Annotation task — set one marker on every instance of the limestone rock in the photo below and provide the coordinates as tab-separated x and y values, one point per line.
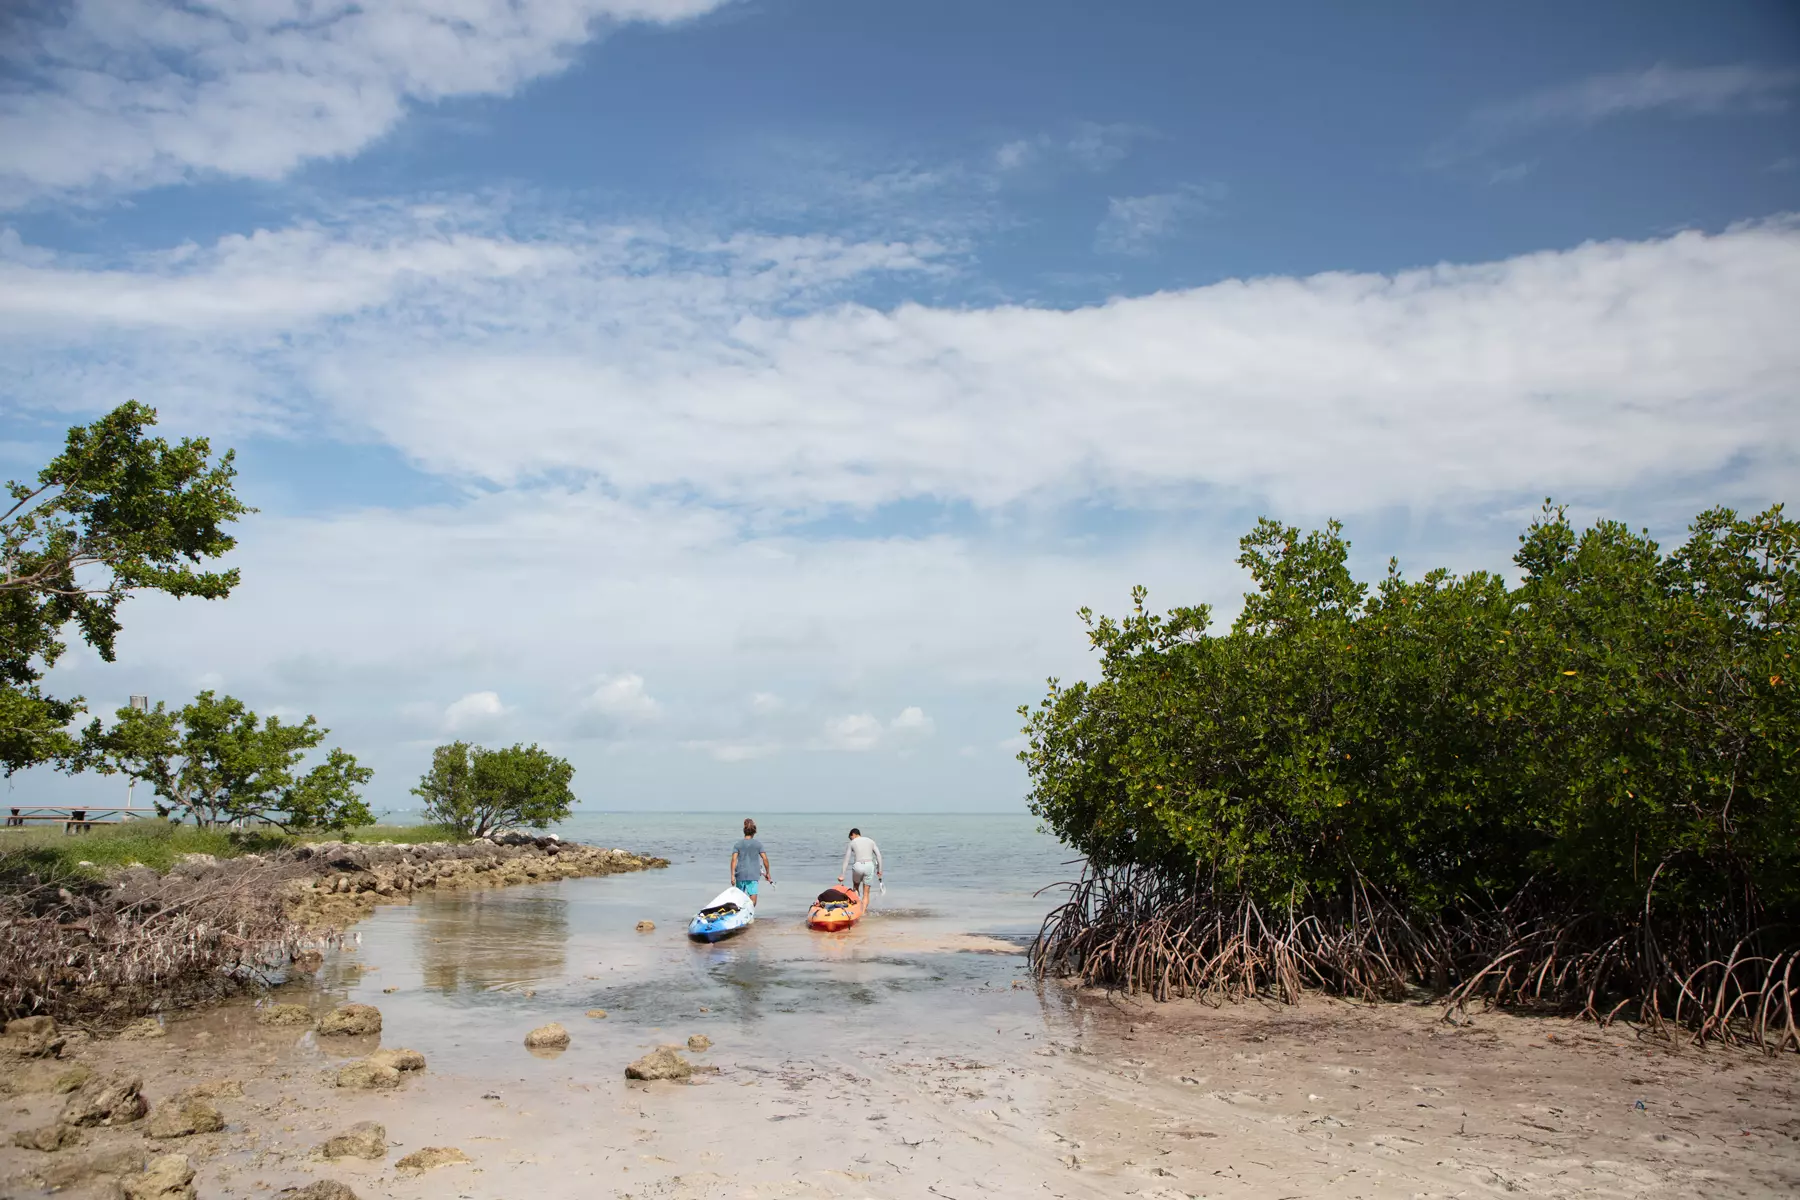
39	1077
664	1062
431	1156
400	1060
646	926
32	1037
214	1089
184	1116
142	1030
297	1015
352	1019
599	1014
370	1076
107	1100
119	1160
308	961
48	1139
547	1037
323	1189
699	1043
365	1139
170	1177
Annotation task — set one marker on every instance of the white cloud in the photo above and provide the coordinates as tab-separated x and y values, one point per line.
729	751
765	704
623	698
1091	146
153	92
1608	366
1684	91
861	731
1134	224
474	713
857	731
912	720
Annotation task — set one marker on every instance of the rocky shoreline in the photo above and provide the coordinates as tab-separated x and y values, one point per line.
341	883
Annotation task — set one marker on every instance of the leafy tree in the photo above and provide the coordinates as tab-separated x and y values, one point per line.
478	791
1604	758
215	761
115	512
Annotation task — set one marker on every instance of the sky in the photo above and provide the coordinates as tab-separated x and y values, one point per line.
740	397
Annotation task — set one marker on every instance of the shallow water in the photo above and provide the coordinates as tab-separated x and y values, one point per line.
472	971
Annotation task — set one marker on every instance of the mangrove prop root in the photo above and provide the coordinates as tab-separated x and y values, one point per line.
100	958
1716	980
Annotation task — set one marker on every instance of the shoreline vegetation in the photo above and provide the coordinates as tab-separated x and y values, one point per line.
1578	794
103	928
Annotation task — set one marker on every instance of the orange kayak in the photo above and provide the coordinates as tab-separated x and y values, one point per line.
835	909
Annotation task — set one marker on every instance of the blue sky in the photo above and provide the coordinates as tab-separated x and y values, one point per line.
741	397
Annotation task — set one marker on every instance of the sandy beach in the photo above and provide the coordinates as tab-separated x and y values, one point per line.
903	1059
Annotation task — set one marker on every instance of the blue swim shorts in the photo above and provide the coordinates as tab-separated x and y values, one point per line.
747	886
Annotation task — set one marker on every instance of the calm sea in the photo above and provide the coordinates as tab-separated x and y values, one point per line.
471	971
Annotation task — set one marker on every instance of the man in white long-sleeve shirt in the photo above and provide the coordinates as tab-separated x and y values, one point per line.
862	858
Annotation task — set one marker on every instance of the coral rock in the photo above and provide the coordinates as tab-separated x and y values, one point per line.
699	1042
352	1019
170	1177
400	1060
365	1139
47	1139
548	1037
664	1062
431	1156
184	1116
141	1030
370	1076
324	1189
107	1100
285	1014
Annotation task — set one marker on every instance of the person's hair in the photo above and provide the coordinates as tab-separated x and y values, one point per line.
856	833
749	827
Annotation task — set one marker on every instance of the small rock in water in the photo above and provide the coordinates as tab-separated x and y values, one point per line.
352	1019
107	1100
32	1037
285	1014
308	961
547	1037
183	1116
143	1029
664	1062
599	1014
323	1189
400	1060
370	1076
48	1139
389	991
431	1156
170	1177
646	926
699	1043
365	1139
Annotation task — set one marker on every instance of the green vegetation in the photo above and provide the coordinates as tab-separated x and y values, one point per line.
1580	790
215	762
49	853
116	512
477	791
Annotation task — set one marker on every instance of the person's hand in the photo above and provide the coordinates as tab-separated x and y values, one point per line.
840	879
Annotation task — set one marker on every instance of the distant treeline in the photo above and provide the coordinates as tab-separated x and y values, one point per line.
1581	790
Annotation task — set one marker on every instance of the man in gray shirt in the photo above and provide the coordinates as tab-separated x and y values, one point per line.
749	861
862	858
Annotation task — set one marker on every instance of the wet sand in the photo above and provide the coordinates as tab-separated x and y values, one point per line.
910	1058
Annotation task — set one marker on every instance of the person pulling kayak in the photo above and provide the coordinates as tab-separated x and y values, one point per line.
862	858
748	860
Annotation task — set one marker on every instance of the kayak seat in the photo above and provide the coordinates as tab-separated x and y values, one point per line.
835	896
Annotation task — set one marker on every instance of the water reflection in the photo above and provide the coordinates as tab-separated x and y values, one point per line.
482	941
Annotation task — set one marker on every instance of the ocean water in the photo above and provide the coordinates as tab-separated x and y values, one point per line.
467	973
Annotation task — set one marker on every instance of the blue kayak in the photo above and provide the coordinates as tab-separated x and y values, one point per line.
731	912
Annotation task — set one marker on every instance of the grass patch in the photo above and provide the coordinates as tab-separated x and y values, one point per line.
49	853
